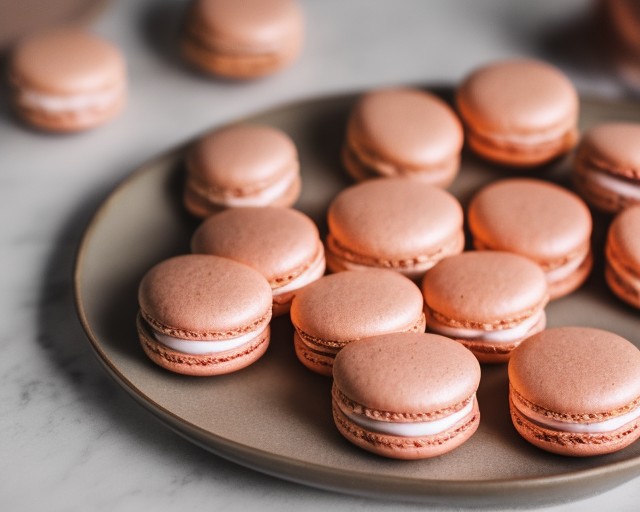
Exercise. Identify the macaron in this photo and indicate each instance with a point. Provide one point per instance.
(241, 165)
(337, 309)
(607, 166)
(576, 391)
(394, 223)
(203, 315)
(622, 253)
(406, 395)
(67, 80)
(487, 300)
(519, 113)
(403, 132)
(540, 220)
(242, 40)
(280, 243)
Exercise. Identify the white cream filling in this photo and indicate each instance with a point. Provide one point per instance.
(314, 272)
(53, 103)
(564, 271)
(530, 139)
(583, 428)
(501, 336)
(622, 187)
(414, 429)
(264, 197)
(198, 347)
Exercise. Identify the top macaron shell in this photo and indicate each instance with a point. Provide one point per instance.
(203, 297)
(612, 148)
(405, 130)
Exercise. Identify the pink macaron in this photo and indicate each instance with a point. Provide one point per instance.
(487, 300)
(622, 253)
(281, 243)
(337, 309)
(203, 315)
(239, 166)
(406, 395)
(394, 223)
(540, 220)
(576, 391)
(403, 132)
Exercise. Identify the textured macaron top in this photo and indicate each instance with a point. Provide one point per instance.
(480, 289)
(358, 303)
(535, 218)
(519, 96)
(624, 239)
(256, 26)
(612, 148)
(198, 296)
(407, 376)
(278, 242)
(406, 126)
(66, 61)
(578, 373)
(241, 156)
(394, 218)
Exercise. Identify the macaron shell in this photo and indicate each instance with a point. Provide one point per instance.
(577, 371)
(201, 365)
(66, 61)
(417, 219)
(356, 304)
(612, 148)
(204, 297)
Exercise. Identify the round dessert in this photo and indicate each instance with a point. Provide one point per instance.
(519, 113)
(280, 243)
(489, 301)
(393, 223)
(406, 395)
(607, 166)
(622, 252)
(241, 165)
(67, 80)
(576, 391)
(242, 40)
(337, 309)
(203, 315)
(539, 220)
(403, 132)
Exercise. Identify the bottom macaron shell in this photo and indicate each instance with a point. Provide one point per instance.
(574, 444)
(407, 448)
(313, 360)
(205, 365)
(573, 281)
(625, 290)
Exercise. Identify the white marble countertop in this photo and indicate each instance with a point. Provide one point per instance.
(70, 438)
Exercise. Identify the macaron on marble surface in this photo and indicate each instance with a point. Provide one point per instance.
(340, 308)
(406, 395)
(540, 220)
(576, 391)
(242, 39)
(519, 113)
(403, 132)
(203, 315)
(622, 252)
(487, 300)
(607, 166)
(281, 243)
(395, 223)
(67, 80)
(241, 165)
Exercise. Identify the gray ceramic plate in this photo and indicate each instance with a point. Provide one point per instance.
(275, 416)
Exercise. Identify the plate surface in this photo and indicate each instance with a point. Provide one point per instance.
(275, 416)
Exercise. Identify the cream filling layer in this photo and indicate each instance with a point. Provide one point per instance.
(54, 103)
(412, 272)
(529, 139)
(623, 187)
(314, 272)
(414, 429)
(198, 348)
(564, 271)
(582, 428)
(500, 336)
